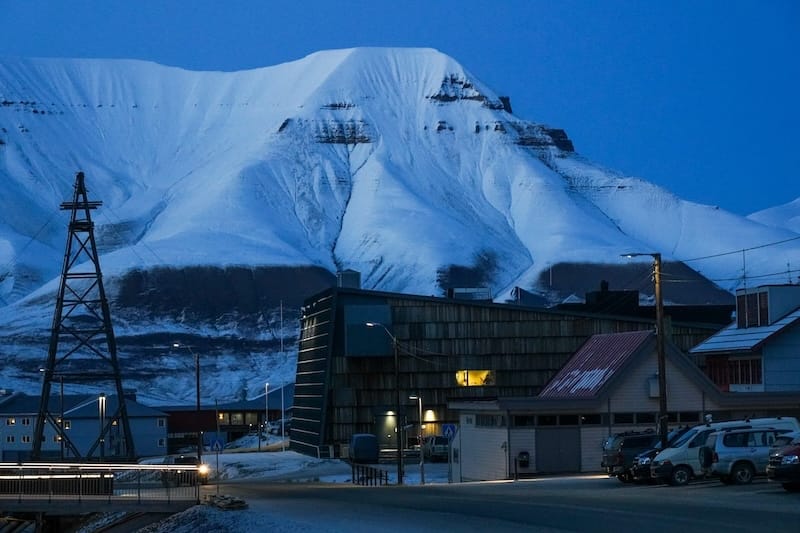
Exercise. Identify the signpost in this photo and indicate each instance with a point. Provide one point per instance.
(217, 447)
(449, 431)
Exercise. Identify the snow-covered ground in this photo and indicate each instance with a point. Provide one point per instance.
(276, 466)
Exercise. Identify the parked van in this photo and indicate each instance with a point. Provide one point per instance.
(681, 462)
(364, 448)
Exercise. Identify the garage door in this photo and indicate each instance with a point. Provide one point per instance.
(558, 450)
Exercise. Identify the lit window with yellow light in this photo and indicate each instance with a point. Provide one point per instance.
(474, 378)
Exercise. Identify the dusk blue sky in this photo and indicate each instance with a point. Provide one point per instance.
(700, 97)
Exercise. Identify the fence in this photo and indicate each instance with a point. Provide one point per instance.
(37, 483)
(369, 475)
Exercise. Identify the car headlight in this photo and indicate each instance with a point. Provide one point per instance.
(790, 460)
(644, 461)
(202, 470)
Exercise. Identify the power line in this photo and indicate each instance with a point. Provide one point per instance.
(741, 250)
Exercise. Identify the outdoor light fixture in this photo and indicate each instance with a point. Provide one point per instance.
(419, 438)
(660, 334)
(197, 396)
(399, 430)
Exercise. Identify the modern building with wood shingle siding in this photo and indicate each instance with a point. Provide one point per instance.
(447, 350)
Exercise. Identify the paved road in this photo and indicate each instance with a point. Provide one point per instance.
(581, 503)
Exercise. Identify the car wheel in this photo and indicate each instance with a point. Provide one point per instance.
(624, 477)
(791, 487)
(680, 476)
(742, 473)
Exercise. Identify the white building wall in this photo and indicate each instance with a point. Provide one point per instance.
(592, 438)
(482, 452)
(523, 440)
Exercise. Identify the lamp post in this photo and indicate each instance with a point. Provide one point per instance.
(197, 398)
(266, 407)
(399, 429)
(419, 438)
(101, 408)
(660, 334)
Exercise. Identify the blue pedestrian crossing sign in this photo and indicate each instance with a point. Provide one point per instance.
(216, 445)
(449, 431)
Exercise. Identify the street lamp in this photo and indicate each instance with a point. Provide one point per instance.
(399, 429)
(660, 334)
(101, 407)
(419, 438)
(197, 396)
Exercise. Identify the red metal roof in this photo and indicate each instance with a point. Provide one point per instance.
(594, 364)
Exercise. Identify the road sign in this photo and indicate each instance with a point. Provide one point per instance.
(449, 431)
(216, 445)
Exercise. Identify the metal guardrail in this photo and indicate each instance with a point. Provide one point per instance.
(41, 486)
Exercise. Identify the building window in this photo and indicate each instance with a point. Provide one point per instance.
(9, 438)
(490, 421)
(26, 421)
(547, 420)
(11, 421)
(623, 418)
(26, 438)
(56, 438)
(593, 419)
(744, 371)
(752, 310)
(474, 378)
(162, 443)
(645, 418)
(237, 419)
(524, 420)
(689, 416)
(568, 420)
(162, 423)
(67, 424)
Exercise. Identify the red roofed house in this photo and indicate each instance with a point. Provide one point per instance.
(609, 385)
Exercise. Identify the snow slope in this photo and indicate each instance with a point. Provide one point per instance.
(397, 163)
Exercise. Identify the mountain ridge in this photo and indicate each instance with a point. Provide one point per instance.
(397, 163)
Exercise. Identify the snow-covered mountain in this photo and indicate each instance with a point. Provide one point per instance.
(227, 194)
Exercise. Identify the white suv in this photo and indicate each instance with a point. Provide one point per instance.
(736, 455)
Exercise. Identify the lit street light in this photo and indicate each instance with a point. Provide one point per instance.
(399, 429)
(101, 408)
(419, 438)
(660, 334)
(197, 395)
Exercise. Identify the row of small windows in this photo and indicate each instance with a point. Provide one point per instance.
(595, 419)
(10, 439)
(11, 421)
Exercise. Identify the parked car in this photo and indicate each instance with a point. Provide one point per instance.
(679, 463)
(737, 455)
(620, 450)
(436, 448)
(190, 476)
(640, 470)
(784, 466)
(783, 440)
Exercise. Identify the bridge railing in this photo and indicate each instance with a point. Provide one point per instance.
(111, 483)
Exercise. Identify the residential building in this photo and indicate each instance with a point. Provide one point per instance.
(609, 385)
(760, 350)
(82, 418)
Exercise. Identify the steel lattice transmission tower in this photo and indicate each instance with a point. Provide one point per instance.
(82, 345)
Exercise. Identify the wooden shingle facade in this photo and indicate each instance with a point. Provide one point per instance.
(447, 349)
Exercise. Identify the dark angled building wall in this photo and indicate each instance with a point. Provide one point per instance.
(447, 349)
